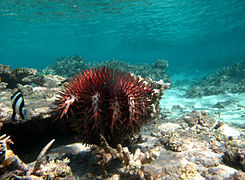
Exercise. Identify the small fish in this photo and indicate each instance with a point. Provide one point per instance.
(18, 105)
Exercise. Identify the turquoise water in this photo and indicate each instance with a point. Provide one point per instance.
(193, 35)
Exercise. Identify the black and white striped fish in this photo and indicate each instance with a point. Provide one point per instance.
(18, 105)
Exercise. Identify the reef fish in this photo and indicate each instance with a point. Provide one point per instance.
(18, 105)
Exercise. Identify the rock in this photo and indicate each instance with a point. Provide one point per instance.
(20, 73)
(48, 81)
(39, 121)
(222, 105)
(38, 101)
(14, 76)
(235, 157)
(219, 105)
(195, 118)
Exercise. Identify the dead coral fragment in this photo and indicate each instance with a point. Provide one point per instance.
(42, 153)
(132, 163)
(56, 168)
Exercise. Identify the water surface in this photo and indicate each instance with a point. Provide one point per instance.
(194, 36)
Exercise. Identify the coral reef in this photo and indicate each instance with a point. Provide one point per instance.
(39, 118)
(39, 94)
(185, 154)
(108, 102)
(44, 80)
(70, 66)
(227, 80)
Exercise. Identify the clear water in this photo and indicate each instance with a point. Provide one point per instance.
(193, 35)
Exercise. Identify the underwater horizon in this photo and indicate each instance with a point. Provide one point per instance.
(195, 37)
